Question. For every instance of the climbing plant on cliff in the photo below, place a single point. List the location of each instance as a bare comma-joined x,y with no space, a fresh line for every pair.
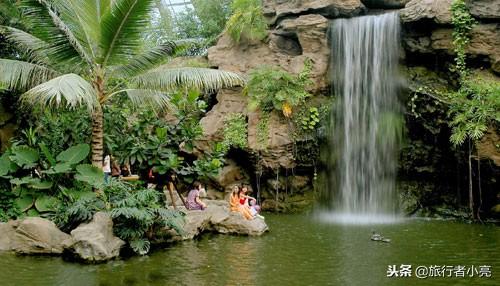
247,21
85,53
463,22
475,106
235,131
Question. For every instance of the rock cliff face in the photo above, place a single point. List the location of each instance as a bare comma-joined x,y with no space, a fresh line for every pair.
299,29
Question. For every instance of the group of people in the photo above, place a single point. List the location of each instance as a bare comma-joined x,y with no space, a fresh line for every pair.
111,168
239,201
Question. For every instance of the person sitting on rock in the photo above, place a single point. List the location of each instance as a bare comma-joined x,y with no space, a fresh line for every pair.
193,201
236,206
255,208
251,202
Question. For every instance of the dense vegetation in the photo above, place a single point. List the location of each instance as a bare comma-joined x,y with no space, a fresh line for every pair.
91,82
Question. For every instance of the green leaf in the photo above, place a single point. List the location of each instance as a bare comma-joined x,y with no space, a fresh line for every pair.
59,168
40,185
4,165
75,154
33,212
22,181
90,174
24,156
47,154
24,202
76,195
46,203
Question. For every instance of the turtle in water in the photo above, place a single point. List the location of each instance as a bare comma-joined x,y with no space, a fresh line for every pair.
377,237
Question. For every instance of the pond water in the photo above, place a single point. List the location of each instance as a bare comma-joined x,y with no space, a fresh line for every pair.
299,250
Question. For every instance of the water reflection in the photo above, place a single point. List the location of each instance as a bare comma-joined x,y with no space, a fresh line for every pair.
298,251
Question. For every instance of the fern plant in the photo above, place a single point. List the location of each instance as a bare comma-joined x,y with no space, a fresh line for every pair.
474,107
138,215
272,88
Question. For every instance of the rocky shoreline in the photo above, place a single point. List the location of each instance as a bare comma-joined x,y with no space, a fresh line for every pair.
95,242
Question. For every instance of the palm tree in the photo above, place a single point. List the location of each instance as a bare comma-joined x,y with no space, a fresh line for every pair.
85,52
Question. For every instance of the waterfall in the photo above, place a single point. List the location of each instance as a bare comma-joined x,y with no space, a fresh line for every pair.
367,124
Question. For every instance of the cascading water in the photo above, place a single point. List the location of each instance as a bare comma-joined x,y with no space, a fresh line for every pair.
365,53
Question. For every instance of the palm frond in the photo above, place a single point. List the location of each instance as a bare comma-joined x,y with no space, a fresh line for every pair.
40,23
66,29
150,98
84,19
148,60
121,27
69,90
20,75
167,79
34,46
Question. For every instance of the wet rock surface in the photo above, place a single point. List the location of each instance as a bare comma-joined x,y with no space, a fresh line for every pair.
95,241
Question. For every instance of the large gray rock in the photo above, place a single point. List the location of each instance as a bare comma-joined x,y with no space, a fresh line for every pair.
487,147
230,175
485,41
36,235
279,141
278,9
385,4
216,218
436,10
485,9
7,232
237,224
95,241
439,10
276,149
308,33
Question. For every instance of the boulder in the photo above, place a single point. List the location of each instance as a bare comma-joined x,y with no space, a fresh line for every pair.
306,34
95,241
487,147
279,141
485,9
385,4
485,41
231,174
229,101
35,235
435,10
276,151
276,10
7,232
235,223
216,218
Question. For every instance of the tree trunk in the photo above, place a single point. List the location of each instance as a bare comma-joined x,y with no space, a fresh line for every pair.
97,137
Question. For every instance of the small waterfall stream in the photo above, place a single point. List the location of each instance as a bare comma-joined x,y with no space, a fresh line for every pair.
365,136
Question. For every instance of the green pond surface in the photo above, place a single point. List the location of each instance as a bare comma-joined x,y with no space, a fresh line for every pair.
298,250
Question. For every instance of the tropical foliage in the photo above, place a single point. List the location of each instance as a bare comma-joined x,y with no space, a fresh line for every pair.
247,22
37,181
474,108
85,53
139,215
235,131
475,105
271,88
145,139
